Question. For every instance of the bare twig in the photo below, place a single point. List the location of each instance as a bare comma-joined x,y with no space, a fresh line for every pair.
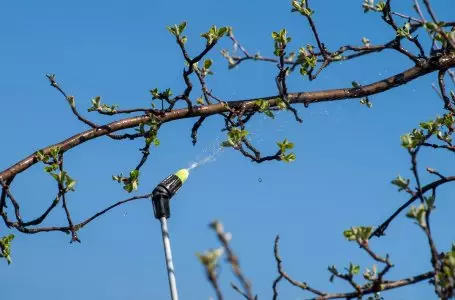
232,259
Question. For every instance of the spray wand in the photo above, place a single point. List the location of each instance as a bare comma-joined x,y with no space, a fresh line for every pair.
161,197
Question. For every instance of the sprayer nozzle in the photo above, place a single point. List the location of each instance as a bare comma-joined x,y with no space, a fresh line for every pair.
182,174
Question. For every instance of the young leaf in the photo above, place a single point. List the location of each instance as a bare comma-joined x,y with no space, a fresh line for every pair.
401,183
208,63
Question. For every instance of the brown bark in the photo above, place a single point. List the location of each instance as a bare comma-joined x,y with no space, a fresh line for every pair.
441,63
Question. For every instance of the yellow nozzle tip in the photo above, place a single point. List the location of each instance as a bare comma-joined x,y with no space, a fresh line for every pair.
182,174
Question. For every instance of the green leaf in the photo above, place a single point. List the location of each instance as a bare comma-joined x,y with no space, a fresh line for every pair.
156,142
366,101
275,35
208,63
56,176
354,269
269,114
380,6
5,247
174,30
128,187
355,84
167,93
209,259
134,174
54,152
51,168
70,184
418,214
288,157
182,27
155,93
407,142
280,103
222,31
227,143
405,30
360,234
401,183
40,156
427,125
200,101
95,104
429,201
285,145
118,178
236,135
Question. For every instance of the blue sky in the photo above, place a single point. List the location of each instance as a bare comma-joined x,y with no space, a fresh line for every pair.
346,154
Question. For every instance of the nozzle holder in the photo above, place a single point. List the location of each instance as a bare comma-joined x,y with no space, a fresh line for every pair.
162,195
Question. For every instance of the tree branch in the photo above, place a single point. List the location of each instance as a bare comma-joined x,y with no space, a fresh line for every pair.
443,62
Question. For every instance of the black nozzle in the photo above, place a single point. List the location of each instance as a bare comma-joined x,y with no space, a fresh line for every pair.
162,195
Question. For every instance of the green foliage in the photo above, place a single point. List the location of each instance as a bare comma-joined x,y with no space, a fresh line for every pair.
235,137
307,59
437,31
284,146
54,152
360,234
5,247
65,180
40,156
200,101
130,183
404,31
413,139
380,6
401,183
367,102
441,127
369,5
353,269
51,166
280,103
177,30
280,41
150,131
206,68
446,276
372,274
97,106
418,214
301,7
214,34
264,107
210,258
165,95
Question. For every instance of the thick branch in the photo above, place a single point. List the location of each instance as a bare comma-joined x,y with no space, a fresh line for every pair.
444,62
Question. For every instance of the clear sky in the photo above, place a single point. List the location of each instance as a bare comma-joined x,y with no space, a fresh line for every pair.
346,153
